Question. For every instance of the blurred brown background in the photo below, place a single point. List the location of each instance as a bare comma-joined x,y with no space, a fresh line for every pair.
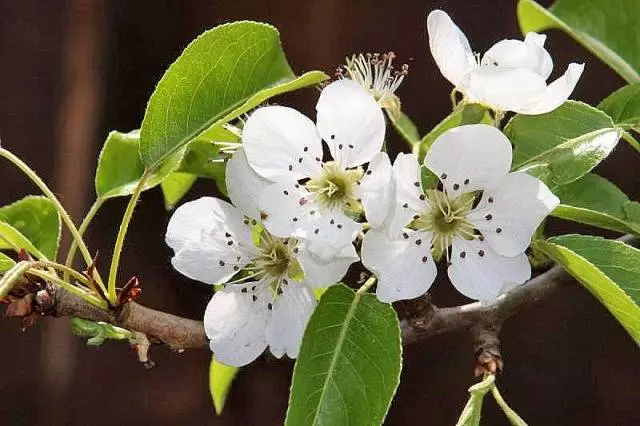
70,71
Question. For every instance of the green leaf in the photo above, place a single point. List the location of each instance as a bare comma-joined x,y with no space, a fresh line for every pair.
404,126
222,74
632,210
220,378
463,114
595,201
11,238
349,363
37,220
97,332
623,105
609,269
606,28
120,167
562,145
6,262
203,160
176,186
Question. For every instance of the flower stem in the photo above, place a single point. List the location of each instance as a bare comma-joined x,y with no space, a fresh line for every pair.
513,417
97,204
69,287
49,194
117,249
631,140
367,285
64,269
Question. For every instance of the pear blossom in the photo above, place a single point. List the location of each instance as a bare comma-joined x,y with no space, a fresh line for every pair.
268,297
511,76
310,199
482,220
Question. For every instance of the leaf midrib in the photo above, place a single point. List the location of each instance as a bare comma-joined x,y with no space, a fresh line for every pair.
334,359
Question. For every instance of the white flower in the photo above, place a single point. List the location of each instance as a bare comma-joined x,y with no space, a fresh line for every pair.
511,76
268,297
482,221
309,198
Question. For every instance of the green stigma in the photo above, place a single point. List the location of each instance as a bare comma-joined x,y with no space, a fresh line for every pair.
335,188
446,219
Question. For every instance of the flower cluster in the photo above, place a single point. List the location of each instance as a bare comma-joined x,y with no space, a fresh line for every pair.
309,199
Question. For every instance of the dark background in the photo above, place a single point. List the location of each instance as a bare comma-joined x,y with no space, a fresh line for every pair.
70,71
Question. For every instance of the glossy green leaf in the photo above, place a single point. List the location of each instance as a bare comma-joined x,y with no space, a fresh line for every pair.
349,363
37,220
609,269
220,379
595,201
463,114
562,145
6,262
606,28
623,105
120,167
176,186
225,72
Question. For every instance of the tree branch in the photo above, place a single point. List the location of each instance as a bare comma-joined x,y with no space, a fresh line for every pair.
423,320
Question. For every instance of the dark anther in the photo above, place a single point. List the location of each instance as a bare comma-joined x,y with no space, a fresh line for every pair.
226,234
498,230
340,146
466,181
269,306
332,221
306,148
351,146
463,254
315,231
422,197
290,167
339,226
443,176
418,241
481,253
333,137
295,219
244,290
295,250
229,243
481,237
405,235
285,192
254,297
490,199
368,172
488,217
221,263
456,186
300,160
424,259
416,184
236,268
405,205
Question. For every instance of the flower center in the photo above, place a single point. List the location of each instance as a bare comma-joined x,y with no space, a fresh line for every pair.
335,188
276,259
446,218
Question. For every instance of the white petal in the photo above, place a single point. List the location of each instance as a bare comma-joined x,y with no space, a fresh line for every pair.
236,323
482,274
529,54
287,212
244,185
516,209
291,312
209,237
556,93
449,47
404,267
351,123
281,143
469,158
408,193
503,89
376,190
320,272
